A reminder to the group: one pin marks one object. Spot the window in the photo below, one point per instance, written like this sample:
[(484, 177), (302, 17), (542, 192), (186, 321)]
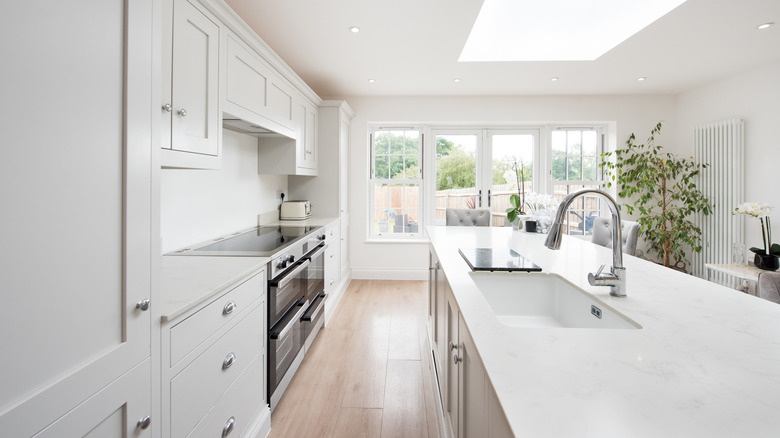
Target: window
[(396, 179), (481, 169), (576, 153)]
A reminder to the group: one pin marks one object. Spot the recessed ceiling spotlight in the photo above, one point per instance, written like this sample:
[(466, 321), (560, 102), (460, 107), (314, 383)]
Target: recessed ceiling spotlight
[(554, 78), (641, 78), (456, 80), (371, 81), (354, 29), (764, 26)]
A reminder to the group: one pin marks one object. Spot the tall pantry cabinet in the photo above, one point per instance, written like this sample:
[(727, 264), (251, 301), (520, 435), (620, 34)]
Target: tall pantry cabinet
[(76, 264), (329, 192)]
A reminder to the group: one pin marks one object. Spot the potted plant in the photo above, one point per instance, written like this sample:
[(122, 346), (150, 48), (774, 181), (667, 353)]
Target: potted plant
[(664, 193), (516, 213), (766, 257)]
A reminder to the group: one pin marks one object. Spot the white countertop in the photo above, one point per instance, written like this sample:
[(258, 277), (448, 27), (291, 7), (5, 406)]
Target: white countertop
[(706, 362), (188, 281)]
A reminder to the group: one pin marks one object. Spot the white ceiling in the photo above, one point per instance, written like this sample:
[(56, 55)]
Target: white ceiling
[(411, 48)]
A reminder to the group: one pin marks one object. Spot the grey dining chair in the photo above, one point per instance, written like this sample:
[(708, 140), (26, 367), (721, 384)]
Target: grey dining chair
[(769, 286), (602, 234), (467, 217)]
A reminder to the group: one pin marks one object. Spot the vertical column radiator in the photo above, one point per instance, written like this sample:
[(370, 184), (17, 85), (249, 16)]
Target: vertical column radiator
[(720, 145)]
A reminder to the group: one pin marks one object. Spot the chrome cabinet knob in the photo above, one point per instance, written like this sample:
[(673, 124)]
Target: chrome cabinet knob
[(143, 304), (167, 107), (456, 358), (453, 346), (183, 112), (229, 425), (230, 306), (229, 360), (144, 423)]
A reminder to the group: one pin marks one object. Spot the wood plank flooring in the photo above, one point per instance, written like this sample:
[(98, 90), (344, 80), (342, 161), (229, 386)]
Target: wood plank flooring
[(368, 372)]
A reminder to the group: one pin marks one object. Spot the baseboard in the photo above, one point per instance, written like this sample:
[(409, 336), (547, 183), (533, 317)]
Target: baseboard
[(261, 425), (389, 274)]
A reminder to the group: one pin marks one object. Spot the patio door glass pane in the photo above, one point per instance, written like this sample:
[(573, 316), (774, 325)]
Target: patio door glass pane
[(512, 164), (456, 173)]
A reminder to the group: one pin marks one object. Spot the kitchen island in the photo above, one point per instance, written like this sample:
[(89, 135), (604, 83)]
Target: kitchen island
[(705, 362)]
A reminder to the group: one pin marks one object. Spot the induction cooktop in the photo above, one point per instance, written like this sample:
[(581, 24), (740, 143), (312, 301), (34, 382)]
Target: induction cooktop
[(497, 259), (258, 241)]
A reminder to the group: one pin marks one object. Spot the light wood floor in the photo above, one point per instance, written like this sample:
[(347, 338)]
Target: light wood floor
[(367, 373)]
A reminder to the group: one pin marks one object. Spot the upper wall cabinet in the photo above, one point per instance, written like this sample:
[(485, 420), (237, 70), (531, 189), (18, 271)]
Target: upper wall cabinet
[(191, 118), (254, 93)]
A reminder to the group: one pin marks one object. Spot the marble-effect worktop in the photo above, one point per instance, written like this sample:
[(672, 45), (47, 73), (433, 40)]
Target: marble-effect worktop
[(706, 362)]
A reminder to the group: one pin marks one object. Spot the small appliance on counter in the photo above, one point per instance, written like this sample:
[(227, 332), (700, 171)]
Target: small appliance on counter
[(295, 210)]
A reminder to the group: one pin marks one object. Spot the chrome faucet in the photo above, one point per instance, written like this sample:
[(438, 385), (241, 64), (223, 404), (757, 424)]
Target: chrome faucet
[(616, 277)]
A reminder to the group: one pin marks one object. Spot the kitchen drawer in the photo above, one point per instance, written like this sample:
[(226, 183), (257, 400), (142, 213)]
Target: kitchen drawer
[(191, 332), (241, 402), (200, 385)]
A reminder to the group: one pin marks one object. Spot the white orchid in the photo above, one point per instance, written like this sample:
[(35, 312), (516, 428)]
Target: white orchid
[(511, 177), (537, 202), (755, 209)]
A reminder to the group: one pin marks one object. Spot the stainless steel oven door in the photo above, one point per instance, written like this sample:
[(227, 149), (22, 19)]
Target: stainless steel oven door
[(286, 290), (315, 273), (285, 351), (313, 319)]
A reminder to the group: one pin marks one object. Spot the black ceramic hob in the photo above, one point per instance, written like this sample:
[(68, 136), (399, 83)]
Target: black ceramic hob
[(497, 259)]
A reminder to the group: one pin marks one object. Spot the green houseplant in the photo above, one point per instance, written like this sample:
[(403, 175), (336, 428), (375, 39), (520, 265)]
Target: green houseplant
[(663, 189)]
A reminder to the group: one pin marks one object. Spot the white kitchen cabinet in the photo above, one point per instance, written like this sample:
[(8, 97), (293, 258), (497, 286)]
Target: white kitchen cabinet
[(254, 92), (213, 360), (191, 127), (307, 148), (469, 404), (329, 191), (332, 258), (77, 228)]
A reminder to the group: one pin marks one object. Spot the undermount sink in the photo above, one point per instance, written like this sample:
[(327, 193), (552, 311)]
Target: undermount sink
[(545, 300)]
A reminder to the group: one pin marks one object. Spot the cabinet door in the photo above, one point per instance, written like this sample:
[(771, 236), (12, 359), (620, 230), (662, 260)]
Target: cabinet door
[(195, 118), (451, 359), (119, 410), (473, 389), (77, 252), (248, 79), (310, 138)]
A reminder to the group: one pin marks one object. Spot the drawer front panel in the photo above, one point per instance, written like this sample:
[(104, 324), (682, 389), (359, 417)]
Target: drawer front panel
[(191, 332), (240, 403), (200, 385)]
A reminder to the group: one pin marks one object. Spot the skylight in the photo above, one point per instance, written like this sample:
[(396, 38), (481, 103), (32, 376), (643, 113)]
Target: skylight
[(557, 30)]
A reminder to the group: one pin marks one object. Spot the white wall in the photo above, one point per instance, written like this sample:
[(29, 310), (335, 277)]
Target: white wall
[(409, 260), (754, 97), (197, 205)]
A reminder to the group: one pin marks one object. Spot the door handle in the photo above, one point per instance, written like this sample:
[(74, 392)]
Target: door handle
[(480, 198)]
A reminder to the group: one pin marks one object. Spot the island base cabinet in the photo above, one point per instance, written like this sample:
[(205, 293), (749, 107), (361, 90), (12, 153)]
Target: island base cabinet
[(122, 409), (470, 407)]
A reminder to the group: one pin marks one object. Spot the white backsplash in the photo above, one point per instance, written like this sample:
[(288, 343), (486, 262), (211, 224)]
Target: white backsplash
[(196, 205)]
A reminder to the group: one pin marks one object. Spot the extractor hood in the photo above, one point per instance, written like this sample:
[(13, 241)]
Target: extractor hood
[(245, 127)]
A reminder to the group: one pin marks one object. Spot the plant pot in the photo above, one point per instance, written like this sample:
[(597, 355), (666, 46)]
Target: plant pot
[(767, 262)]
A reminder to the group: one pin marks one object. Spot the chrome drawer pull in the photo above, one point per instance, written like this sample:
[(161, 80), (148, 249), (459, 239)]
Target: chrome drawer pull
[(230, 306), (229, 425), (456, 359), (144, 423), (228, 362)]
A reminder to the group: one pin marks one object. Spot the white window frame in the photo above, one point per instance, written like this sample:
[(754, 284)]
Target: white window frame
[(600, 148), (373, 181)]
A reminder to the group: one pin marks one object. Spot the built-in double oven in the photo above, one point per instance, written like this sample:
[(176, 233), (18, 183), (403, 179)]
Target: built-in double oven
[(296, 290), (296, 297)]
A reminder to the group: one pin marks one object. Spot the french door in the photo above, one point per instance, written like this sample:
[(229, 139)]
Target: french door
[(482, 169)]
